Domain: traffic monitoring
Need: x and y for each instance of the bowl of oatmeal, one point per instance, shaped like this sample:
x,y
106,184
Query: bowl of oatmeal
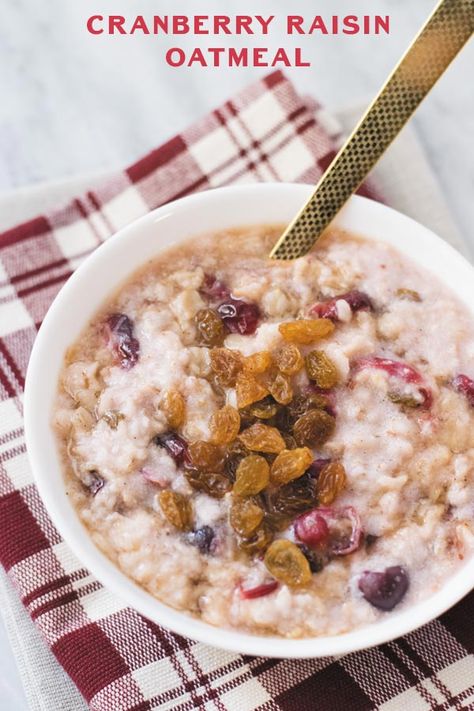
x,y
275,458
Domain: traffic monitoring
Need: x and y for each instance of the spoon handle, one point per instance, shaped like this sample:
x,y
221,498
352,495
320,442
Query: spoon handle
x,y
441,38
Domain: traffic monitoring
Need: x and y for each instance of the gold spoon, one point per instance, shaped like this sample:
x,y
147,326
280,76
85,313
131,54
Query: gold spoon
x,y
440,39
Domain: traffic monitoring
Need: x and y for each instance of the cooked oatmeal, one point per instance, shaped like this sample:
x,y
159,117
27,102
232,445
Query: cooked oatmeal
x,y
276,447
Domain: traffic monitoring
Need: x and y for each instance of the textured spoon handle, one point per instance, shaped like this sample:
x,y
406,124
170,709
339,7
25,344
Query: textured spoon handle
x,y
438,42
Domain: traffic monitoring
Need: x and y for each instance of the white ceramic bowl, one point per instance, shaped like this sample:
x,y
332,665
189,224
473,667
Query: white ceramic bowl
x,y
94,281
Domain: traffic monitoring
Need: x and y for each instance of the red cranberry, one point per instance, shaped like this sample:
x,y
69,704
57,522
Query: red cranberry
x,y
258,591
394,368
122,339
311,528
357,300
201,538
176,446
325,309
239,316
384,589
336,530
213,288
427,396
345,529
465,385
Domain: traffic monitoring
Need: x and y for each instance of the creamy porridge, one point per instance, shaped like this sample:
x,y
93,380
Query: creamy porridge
x,y
277,447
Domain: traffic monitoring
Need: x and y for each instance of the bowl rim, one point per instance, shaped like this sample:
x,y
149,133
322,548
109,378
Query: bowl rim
x,y
106,571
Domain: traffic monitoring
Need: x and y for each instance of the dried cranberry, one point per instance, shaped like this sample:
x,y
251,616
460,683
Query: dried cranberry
x,y
94,483
239,316
465,385
121,324
394,368
213,288
397,369
357,300
384,590
122,339
311,528
258,591
427,396
176,446
201,538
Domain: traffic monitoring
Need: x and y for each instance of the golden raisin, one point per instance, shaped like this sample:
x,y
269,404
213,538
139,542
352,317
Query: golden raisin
x,y
252,476
303,403
176,508
313,428
408,294
331,481
290,441
280,389
248,390
306,331
206,456
283,420
287,564
226,365
263,409
245,517
224,425
288,359
173,406
286,502
321,369
235,453
262,438
403,400
290,464
277,522
258,542
210,329
257,362
112,418
212,483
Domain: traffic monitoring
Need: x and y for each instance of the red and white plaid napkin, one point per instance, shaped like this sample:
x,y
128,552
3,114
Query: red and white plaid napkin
x,y
118,659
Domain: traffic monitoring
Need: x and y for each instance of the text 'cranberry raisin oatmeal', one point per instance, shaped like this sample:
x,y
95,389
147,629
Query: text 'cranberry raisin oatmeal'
x,y
276,447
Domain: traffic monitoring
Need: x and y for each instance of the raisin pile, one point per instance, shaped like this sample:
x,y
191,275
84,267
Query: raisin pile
x,y
267,440
260,448
259,454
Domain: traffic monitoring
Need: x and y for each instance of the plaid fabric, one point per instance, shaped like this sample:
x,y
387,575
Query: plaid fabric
x,y
118,659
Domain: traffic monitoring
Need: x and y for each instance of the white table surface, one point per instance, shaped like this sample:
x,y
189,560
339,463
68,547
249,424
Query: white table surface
x,y
71,103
